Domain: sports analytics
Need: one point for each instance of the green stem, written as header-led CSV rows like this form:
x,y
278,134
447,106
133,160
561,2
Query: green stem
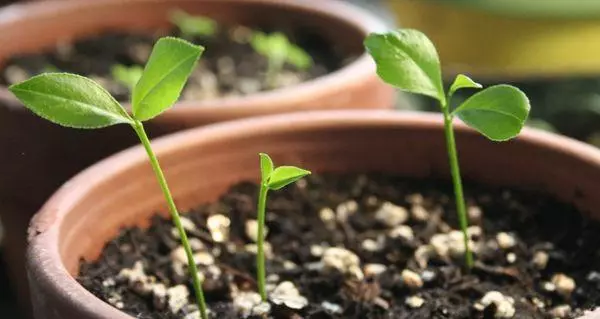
x,y
458,189
273,68
193,269
260,254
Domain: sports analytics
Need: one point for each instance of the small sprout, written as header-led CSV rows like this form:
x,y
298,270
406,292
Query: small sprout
x,y
278,50
192,25
127,75
272,178
75,101
408,60
50,68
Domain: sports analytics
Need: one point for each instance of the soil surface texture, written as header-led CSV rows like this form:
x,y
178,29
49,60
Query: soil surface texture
x,y
361,246
229,66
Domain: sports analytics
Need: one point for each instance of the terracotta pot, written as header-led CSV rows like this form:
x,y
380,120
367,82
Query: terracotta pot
x,y
37,157
201,164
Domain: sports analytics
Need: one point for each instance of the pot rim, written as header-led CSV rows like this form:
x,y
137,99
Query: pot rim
x,y
262,102
44,230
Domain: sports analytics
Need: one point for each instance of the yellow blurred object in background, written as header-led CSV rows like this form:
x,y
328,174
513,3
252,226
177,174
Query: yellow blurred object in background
x,y
499,45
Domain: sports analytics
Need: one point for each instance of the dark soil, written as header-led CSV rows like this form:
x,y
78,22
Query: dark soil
x,y
299,231
229,66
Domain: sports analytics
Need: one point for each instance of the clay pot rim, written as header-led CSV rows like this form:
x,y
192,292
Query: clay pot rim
x,y
261,102
45,226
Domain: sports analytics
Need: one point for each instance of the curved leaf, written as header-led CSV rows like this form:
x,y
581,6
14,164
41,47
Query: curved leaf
x,y
298,57
266,166
285,175
70,100
408,60
170,64
193,25
498,112
463,82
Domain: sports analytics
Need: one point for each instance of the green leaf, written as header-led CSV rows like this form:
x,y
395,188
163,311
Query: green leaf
x,y
407,59
298,57
70,100
285,175
266,166
128,76
277,47
498,112
170,64
463,82
273,46
191,25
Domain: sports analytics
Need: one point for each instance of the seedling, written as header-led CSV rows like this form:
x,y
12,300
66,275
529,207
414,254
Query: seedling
x,y
75,101
271,179
50,68
278,50
192,25
408,60
128,76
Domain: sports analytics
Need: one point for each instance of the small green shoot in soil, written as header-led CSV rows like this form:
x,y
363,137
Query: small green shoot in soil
x,y
78,102
49,68
271,179
127,75
192,26
408,60
278,50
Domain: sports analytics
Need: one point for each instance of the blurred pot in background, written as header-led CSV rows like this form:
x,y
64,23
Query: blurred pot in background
x,y
549,49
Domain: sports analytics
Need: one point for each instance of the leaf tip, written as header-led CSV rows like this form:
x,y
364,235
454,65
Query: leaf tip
x,y
189,44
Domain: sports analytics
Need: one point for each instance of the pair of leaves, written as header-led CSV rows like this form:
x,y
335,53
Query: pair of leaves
x,y
75,101
277,178
191,25
408,60
277,47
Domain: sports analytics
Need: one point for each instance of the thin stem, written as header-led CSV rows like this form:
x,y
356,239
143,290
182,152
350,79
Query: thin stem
x,y
260,254
458,189
193,270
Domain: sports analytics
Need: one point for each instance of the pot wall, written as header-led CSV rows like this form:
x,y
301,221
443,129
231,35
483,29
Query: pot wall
x,y
37,157
201,164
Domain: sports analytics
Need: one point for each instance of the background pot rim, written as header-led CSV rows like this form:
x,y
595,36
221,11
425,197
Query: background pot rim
x,y
43,256
360,69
